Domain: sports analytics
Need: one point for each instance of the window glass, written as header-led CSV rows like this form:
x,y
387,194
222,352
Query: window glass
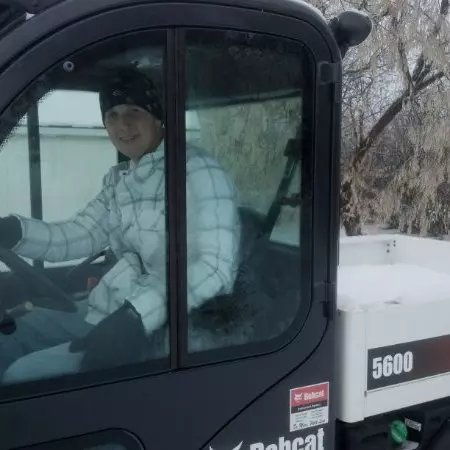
x,y
14,172
244,187
74,147
66,199
15,175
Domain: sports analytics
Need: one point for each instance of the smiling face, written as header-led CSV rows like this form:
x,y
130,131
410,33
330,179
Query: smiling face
x,y
133,130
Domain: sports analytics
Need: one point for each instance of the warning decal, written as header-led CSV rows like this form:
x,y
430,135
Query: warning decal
x,y
308,406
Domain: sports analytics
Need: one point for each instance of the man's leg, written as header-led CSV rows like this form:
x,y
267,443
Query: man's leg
x,y
54,361
41,329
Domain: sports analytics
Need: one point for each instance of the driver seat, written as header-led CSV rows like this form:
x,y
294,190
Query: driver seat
x,y
237,317
240,316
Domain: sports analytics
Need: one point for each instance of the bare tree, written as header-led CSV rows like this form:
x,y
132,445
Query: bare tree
x,y
405,56
416,195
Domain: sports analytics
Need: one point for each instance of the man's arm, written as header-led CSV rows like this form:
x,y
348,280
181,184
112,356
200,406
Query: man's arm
x,y
212,245
81,236
213,237
213,249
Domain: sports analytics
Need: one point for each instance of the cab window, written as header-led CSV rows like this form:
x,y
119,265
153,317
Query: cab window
x,y
91,221
90,159
73,146
248,94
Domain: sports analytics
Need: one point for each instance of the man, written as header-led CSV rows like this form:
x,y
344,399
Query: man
x,y
129,304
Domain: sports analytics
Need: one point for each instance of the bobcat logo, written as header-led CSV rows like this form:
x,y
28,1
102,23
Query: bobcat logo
x,y
235,448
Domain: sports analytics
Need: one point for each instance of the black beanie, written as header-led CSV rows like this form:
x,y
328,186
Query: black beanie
x,y
131,87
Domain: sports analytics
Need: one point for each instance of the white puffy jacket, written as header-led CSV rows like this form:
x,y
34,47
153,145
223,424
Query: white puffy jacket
x,y
129,215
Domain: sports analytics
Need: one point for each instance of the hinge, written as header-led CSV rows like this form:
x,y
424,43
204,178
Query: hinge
x,y
329,302
329,73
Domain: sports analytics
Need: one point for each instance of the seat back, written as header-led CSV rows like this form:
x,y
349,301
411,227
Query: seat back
x,y
264,296
229,319
252,223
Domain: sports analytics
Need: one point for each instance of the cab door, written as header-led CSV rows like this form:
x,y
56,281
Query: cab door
x,y
231,216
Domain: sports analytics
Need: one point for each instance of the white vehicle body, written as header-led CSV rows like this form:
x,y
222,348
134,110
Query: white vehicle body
x,y
393,290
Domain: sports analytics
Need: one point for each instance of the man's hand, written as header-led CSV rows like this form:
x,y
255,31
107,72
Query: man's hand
x,y
8,317
10,232
117,340
7,324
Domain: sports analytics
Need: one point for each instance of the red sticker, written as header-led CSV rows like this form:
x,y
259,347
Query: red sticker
x,y
309,395
309,406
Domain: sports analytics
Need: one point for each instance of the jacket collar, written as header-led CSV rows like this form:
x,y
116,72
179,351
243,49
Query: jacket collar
x,y
149,158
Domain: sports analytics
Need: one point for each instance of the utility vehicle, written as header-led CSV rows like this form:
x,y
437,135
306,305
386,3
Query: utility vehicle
x,y
294,364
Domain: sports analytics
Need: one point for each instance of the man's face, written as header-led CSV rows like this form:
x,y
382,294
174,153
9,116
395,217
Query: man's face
x,y
133,130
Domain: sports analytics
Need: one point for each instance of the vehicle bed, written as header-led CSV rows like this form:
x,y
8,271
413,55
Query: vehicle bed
x,y
393,324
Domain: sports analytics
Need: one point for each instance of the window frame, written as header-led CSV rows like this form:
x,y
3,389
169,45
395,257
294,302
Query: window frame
x,y
215,17
305,165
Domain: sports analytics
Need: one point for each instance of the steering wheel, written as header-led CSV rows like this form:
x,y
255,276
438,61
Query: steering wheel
x,y
58,299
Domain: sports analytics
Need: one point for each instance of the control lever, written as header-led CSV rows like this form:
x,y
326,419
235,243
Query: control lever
x,y
8,322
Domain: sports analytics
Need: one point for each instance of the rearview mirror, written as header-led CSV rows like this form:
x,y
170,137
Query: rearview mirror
x,y
350,28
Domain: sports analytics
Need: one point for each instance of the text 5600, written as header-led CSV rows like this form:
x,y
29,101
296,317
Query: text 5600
x,y
386,366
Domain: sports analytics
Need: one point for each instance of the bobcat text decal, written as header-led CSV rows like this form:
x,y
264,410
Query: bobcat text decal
x,y
313,441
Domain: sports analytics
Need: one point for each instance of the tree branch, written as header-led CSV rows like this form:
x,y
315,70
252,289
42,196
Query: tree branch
x,y
395,107
358,70
421,69
402,53
419,82
420,63
437,76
